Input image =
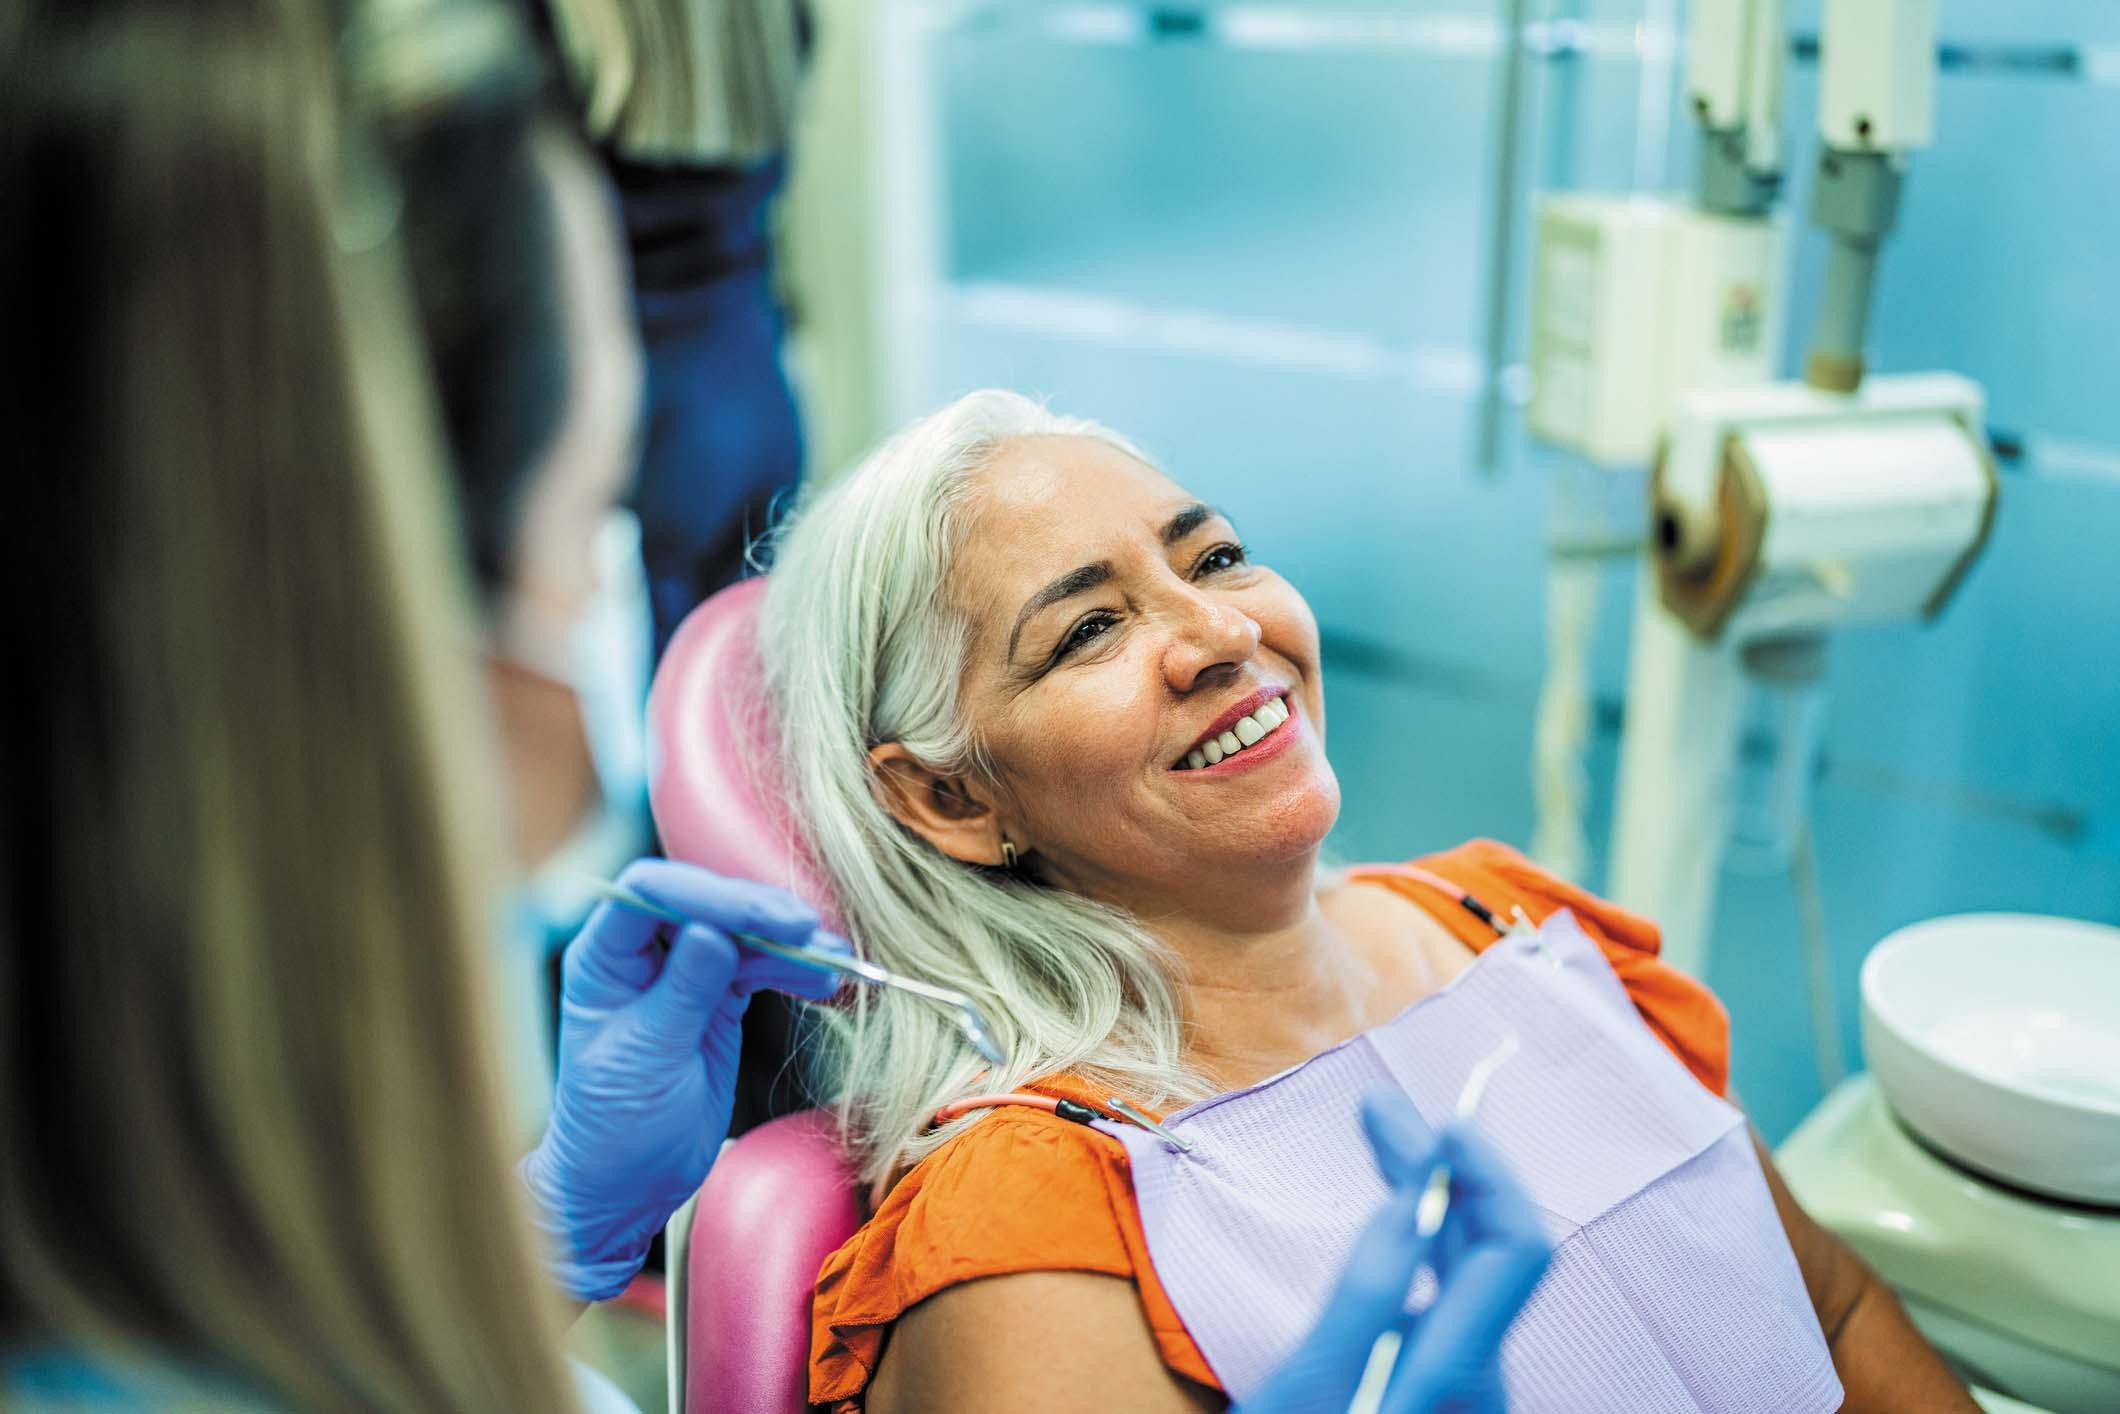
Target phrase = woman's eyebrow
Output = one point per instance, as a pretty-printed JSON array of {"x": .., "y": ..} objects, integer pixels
[
  {"x": 1074, "y": 582},
  {"x": 1185, "y": 522}
]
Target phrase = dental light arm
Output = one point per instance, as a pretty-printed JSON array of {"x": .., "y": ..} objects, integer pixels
[
  {"x": 1734, "y": 77},
  {"x": 1638, "y": 297},
  {"x": 1876, "y": 105},
  {"x": 1779, "y": 510}
]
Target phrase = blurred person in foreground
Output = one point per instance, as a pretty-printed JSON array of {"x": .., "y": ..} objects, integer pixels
[
  {"x": 518, "y": 277},
  {"x": 603, "y": 328},
  {"x": 249, "y": 1149},
  {"x": 250, "y": 1146}
]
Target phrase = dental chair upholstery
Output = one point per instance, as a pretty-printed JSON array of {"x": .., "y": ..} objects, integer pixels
[
  {"x": 782, "y": 1198},
  {"x": 712, "y": 744},
  {"x": 778, "y": 1202}
]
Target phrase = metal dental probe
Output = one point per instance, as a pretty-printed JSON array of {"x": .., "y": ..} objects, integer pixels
[
  {"x": 1428, "y": 1220},
  {"x": 1435, "y": 1197},
  {"x": 976, "y": 1033}
]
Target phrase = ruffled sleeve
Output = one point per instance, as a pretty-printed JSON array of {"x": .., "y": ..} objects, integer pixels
[
  {"x": 1682, "y": 1012},
  {"x": 1019, "y": 1191}
]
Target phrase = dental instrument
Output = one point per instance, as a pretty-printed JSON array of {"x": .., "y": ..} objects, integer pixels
[
  {"x": 1066, "y": 1109},
  {"x": 1134, "y": 1115},
  {"x": 1074, "y": 1111},
  {"x": 970, "y": 1023},
  {"x": 1435, "y": 1197},
  {"x": 1456, "y": 894},
  {"x": 1429, "y": 1212}
]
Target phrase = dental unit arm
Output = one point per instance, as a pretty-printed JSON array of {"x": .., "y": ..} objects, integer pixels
[
  {"x": 1779, "y": 510},
  {"x": 1635, "y": 297}
]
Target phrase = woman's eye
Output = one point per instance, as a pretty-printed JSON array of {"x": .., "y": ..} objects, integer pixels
[
  {"x": 1222, "y": 557},
  {"x": 1095, "y": 626}
]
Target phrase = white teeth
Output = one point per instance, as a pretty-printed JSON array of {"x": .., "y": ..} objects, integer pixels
[{"x": 1245, "y": 732}]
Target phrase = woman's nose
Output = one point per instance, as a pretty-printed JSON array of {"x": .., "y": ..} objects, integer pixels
[{"x": 1212, "y": 639}]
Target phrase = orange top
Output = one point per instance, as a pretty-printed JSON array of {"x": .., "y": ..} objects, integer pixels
[{"x": 1026, "y": 1191}]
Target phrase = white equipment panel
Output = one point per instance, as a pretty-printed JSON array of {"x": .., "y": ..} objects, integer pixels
[
  {"x": 1636, "y": 298},
  {"x": 1877, "y": 89}
]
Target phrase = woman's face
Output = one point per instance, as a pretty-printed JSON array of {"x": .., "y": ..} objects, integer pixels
[{"x": 1118, "y": 631}]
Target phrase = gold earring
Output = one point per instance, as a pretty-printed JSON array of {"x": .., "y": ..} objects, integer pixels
[{"x": 1008, "y": 856}]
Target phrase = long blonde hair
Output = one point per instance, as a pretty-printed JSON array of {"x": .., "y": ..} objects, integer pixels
[
  {"x": 684, "y": 80},
  {"x": 247, "y": 1123},
  {"x": 861, "y": 646}
]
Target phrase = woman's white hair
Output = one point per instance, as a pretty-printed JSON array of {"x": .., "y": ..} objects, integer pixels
[{"x": 862, "y": 646}]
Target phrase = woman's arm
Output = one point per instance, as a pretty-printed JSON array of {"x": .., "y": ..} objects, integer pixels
[
  {"x": 1883, "y": 1362},
  {"x": 1040, "y": 1342}
]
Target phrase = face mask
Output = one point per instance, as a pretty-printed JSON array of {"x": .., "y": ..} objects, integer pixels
[
  {"x": 602, "y": 667},
  {"x": 607, "y": 655},
  {"x": 585, "y": 692}
]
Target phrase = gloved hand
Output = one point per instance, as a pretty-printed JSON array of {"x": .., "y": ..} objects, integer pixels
[
  {"x": 650, "y": 1033},
  {"x": 1488, "y": 1255}
]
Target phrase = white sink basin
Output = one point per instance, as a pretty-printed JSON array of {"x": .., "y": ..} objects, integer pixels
[{"x": 1996, "y": 1037}]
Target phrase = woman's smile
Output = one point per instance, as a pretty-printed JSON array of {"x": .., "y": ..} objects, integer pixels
[{"x": 1251, "y": 733}]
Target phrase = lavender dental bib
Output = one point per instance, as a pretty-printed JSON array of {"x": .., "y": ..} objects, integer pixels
[{"x": 1672, "y": 1286}]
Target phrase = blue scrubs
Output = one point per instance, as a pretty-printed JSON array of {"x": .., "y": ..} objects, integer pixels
[
  {"x": 721, "y": 440},
  {"x": 57, "y": 1378}
]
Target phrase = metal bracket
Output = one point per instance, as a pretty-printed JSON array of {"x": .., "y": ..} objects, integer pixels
[{"x": 1726, "y": 184}]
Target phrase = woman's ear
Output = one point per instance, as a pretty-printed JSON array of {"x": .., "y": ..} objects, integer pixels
[{"x": 942, "y": 809}]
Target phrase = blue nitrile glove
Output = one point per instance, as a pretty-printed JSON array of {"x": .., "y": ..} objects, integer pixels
[
  {"x": 649, "y": 1037},
  {"x": 1488, "y": 1256}
]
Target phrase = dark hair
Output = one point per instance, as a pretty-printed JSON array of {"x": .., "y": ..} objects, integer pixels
[{"x": 480, "y": 238}]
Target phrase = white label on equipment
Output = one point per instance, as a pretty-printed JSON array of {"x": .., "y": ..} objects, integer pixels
[
  {"x": 1562, "y": 395},
  {"x": 1569, "y": 281}
]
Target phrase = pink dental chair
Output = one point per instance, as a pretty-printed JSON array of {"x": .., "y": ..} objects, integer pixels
[{"x": 744, "y": 1254}]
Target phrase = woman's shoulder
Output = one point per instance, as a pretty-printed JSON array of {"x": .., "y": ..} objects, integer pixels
[
  {"x": 1684, "y": 1014},
  {"x": 1017, "y": 1187},
  {"x": 1016, "y": 1190},
  {"x": 1019, "y": 1190},
  {"x": 1502, "y": 877}
]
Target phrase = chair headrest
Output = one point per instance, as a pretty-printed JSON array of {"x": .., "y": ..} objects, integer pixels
[{"x": 714, "y": 782}]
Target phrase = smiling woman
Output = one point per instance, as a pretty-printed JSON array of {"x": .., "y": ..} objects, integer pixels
[
  {"x": 1058, "y": 742},
  {"x": 865, "y": 652}
]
